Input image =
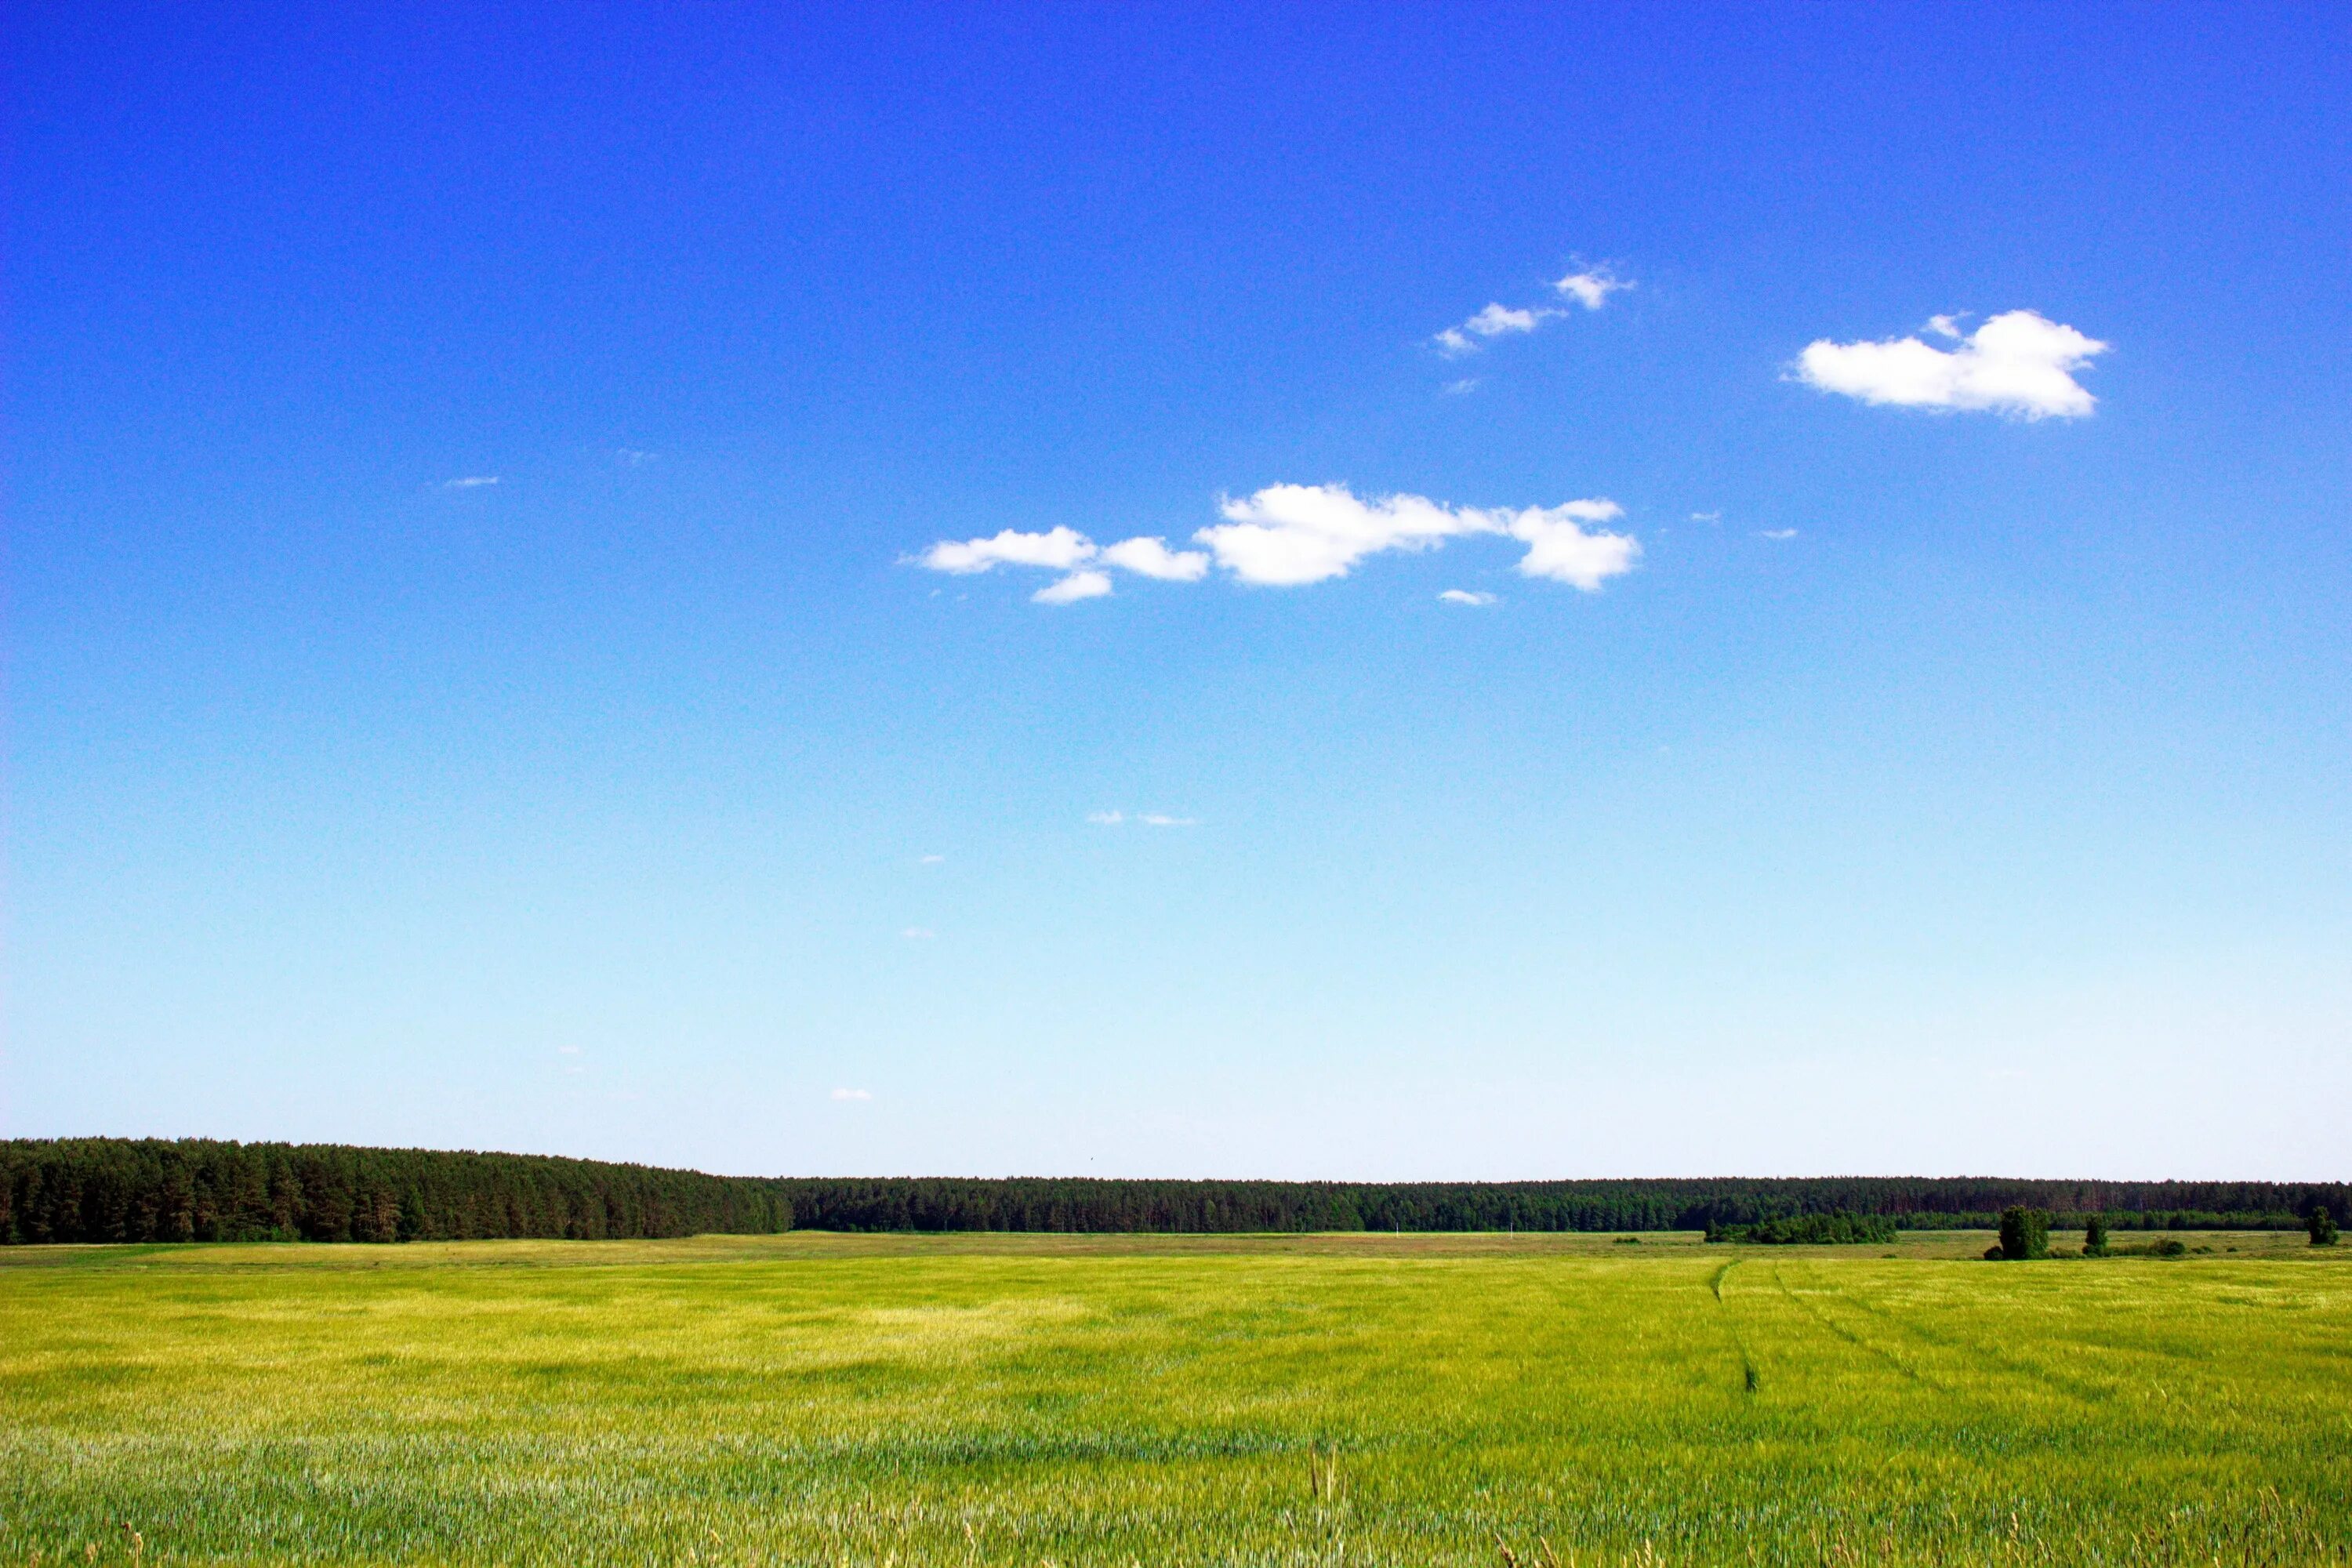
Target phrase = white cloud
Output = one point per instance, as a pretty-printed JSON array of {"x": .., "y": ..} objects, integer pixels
[
  {"x": 1463, "y": 388},
  {"x": 2019, "y": 363},
  {"x": 1776, "y": 534},
  {"x": 1067, "y": 551},
  {"x": 1106, "y": 818},
  {"x": 1706, "y": 516},
  {"x": 1162, "y": 820},
  {"x": 1591, "y": 287},
  {"x": 1062, "y": 549},
  {"x": 1149, "y": 557},
  {"x": 853, "y": 1094},
  {"x": 1496, "y": 321},
  {"x": 1286, "y": 535},
  {"x": 918, "y": 934},
  {"x": 1559, "y": 548},
  {"x": 1463, "y": 596},
  {"x": 1070, "y": 590},
  {"x": 933, "y": 860},
  {"x": 470, "y": 483}
]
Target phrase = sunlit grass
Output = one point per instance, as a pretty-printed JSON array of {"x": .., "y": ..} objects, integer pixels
[{"x": 1117, "y": 1400}]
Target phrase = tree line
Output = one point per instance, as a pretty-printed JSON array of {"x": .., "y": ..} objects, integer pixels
[{"x": 114, "y": 1189}]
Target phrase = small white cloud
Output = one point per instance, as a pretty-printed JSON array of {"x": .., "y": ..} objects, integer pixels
[
  {"x": 1106, "y": 818},
  {"x": 1070, "y": 590},
  {"x": 918, "y": 934},
  {"x": 1496, "y": 321},
  {"x": 634, "y": 457},
  {"x": 1286, "y": 535},
  {"x": 933, "y": 860},
  {"x": 1061, "y": 549},
  {"x": 1706, "y": 516},
  {"x": 1161, "y": 819},
  {"x": 1559, "y": 548},
  {"x": 1289, "y": 535},
  {"x": 1463, "y": 596},
  {"x": 1776, "y": 534},
  {"x": 470, "y": 483},
  {"x": 1463, "y": 388},
  {"x": 2019, "y": 363},
  {"x": 853, "y": 1094},
  {"x": 1150, "y": 557},
  {"x": 1591, "y": 287}
]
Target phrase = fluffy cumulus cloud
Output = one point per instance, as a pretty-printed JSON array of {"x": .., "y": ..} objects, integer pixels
[
  {"x": 1067, "y": 551},
  {"x": 1061, "y": 549},
  {"x": 2019, "y": 363},
  {"x": 1286, "y": 536}
]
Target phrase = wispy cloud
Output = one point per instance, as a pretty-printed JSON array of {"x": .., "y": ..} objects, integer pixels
[
  {"x": 933, "y": 860},
  {"x": 1591, "y": 286},
  {"x": 1496, "y": 321},
  {"x": 1463, "y": 388},
  {"x": 1776, "y": 534},
  {"x": 1070, "y": 590},
  {"x": 2019, "y": 363},
  {"x": 1706, "y": 516},
  {"x": 1290, "y": 535},
  {"x": 853, "y": 1094},
  {"x": 633, "y": 456},
  {"x": 470, "y": 483},
  {"x": 1162, "y": 820},
  {"x": 1463, "y": 596},
  {"x": 1587, "y": 286},
  {"x": 918, "y": 934},
  {"x": 1106, "y": 818}
]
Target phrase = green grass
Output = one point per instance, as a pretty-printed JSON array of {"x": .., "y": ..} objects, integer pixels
[{"x": 1121, "y": 1400}]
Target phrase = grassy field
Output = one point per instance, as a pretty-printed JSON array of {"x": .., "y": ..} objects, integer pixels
[{"x": 1159, "y": 1400}]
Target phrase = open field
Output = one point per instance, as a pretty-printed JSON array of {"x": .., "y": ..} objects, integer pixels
[{"x": 1019, "y": 1399}]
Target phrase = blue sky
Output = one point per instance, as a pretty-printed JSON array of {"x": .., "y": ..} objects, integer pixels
[{"x": 1934, "y": 757}]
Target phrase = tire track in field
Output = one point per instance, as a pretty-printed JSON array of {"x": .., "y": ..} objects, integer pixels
[
  {"x": 2074, "y": 1387},
  {"x": 1850, "y": 1337},
  {"x": 1746, "y": 1361}
]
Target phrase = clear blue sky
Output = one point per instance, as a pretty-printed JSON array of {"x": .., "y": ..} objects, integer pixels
[{"x": 1936, "y": 756}]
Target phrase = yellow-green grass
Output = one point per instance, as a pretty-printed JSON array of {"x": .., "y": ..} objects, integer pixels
[{"x": 1159, "y": 1400}]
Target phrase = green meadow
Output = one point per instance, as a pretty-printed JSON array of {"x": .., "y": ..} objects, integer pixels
[{"x": 1372, "y": 1399}]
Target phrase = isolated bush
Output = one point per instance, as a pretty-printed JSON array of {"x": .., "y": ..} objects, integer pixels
[
  {"x": 2095, "y": 1236},
  {"x": 2024, "y": 1233},
  {"x": 2322, "y": 1226},
  {"x": 2169, "y": 1246},
  {"x": 1994, "y": 1253}
]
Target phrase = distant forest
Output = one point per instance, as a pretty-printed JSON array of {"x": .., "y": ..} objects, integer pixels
[{"x": 117, "y": 1189}]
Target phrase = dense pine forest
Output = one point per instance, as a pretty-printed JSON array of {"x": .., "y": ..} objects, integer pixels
[{"x": 113, "y": 1189}]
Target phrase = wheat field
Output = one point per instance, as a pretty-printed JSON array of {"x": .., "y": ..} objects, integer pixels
[{"x": 1025, "y": 1400}]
